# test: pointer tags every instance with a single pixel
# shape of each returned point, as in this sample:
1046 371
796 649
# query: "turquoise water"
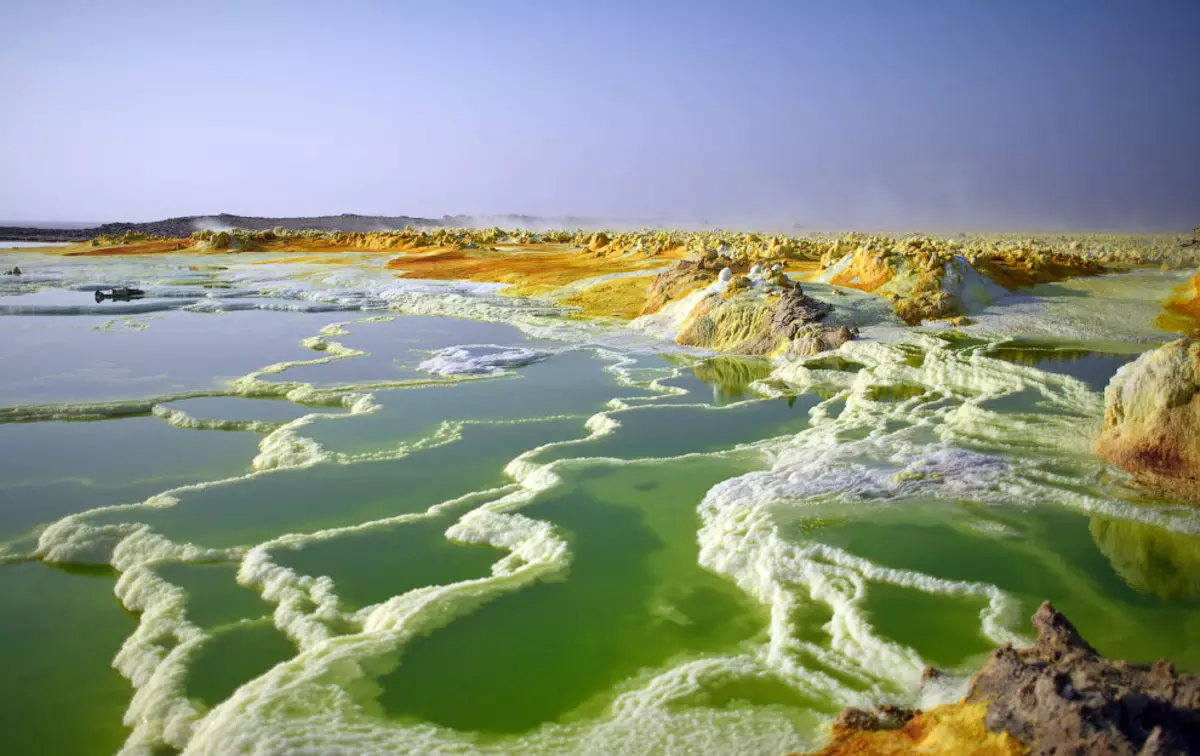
335 530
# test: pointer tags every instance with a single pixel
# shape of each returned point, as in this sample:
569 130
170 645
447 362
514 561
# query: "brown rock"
1061 697
1057 697
931 673
883 718
793 311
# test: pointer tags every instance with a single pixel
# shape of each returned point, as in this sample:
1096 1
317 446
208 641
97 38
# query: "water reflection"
730 377
1094 368
1151 559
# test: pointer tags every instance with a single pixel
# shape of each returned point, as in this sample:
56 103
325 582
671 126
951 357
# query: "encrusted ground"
923 278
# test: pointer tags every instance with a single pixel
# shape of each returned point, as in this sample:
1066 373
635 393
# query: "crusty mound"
1152 418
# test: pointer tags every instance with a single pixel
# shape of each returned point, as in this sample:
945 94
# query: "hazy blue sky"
896 113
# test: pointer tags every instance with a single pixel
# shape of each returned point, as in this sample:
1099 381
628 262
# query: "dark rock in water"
883 718
13 271
120 294
1060 696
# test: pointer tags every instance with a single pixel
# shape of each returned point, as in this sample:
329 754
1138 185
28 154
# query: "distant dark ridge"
347 222
184 226
26 234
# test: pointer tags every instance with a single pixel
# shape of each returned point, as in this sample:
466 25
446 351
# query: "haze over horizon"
923 114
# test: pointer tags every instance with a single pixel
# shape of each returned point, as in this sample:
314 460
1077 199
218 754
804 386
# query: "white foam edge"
532 545
180 419
160 712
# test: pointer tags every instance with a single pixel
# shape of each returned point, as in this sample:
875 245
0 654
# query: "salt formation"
1152 418
928 279
747 316
480 359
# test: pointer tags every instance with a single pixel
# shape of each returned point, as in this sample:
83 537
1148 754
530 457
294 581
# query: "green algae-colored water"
423 533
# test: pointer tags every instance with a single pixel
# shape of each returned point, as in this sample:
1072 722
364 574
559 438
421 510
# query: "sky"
894 114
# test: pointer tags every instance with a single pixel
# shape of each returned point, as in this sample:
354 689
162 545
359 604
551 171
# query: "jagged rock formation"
794 311
1057 697
796 321
1152 418
1060 696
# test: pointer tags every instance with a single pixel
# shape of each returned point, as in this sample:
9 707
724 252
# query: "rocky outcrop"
794 311
1060 696
1152 419
1057 697
742 320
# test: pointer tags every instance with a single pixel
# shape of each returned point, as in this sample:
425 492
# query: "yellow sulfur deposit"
619 298
741 325
949 730
1181 311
